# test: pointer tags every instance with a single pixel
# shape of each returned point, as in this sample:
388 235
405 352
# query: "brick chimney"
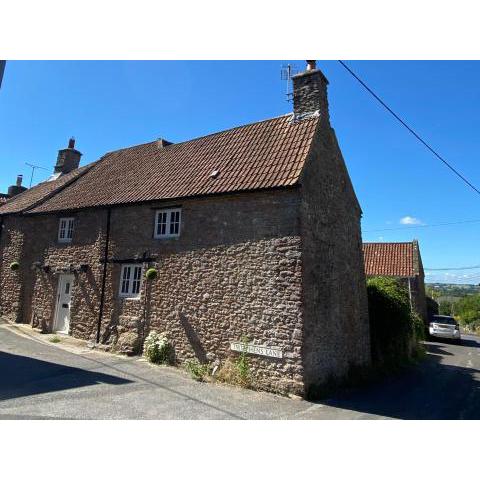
310 92
16 189
68 159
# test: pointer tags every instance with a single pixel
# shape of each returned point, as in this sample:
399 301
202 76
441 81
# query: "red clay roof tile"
265 154
31 197
390 259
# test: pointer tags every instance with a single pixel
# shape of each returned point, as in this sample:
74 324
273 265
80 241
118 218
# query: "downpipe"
104 276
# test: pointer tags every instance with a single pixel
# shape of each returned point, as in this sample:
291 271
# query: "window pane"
174 222
62 229
70 229
137 275
162 223
125 280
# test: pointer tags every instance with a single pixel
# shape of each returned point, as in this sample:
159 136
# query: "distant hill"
451 290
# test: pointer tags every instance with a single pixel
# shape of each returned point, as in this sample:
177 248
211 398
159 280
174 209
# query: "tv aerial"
34 167
286 74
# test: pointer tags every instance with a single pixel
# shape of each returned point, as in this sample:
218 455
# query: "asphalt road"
45 381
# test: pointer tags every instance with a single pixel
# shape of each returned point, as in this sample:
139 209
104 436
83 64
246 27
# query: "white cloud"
411 221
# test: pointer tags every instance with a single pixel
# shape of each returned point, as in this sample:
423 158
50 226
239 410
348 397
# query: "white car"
444 326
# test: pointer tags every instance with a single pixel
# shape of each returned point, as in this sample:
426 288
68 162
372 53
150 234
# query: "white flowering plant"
157 348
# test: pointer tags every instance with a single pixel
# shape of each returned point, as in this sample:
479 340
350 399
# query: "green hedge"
392 326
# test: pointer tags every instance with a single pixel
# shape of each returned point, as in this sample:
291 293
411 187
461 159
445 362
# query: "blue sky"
109 105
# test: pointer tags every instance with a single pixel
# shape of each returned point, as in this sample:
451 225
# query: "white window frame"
131 280
65 233
170 215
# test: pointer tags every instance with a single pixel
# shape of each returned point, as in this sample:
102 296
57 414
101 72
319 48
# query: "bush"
157 348
391 322
237 372
14 266
151 274
418 327
472 327
229 373
243 368
198 371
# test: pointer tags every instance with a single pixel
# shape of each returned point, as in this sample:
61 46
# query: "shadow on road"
466 342
433 349
22 376
434 389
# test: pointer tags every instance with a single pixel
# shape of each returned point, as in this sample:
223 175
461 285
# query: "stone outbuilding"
254 233
401 260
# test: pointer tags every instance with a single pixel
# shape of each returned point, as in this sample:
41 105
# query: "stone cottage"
254 233
403 261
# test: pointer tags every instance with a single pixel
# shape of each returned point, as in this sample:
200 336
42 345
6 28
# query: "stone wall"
421 297
235 271
11 250
85 249
29 294
336 324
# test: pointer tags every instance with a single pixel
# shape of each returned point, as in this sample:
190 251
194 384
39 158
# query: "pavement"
68 380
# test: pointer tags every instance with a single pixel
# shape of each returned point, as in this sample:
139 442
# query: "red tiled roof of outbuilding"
391 259
260 155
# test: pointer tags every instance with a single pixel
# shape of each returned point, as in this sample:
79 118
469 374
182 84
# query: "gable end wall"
336 325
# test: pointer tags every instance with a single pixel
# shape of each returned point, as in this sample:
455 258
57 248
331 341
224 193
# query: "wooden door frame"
58 297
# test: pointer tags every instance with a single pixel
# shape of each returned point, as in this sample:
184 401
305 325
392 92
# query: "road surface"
45 381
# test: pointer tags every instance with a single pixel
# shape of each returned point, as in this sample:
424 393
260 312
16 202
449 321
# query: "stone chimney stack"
68 159
16 189
310 92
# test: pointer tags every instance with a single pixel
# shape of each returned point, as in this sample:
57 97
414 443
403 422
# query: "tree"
445 307
467 309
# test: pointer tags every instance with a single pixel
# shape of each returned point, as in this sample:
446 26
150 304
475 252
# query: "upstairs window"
130 280
65 230
167 223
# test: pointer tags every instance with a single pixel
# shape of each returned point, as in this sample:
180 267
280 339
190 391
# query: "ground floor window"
130 280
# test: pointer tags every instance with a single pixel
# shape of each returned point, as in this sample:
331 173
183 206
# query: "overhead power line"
473 267
416 135
423 226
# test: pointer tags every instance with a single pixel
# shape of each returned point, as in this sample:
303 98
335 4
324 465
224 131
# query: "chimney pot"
19 180
311 65
71 143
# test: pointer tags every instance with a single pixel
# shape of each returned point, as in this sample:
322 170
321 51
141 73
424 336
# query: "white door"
64 297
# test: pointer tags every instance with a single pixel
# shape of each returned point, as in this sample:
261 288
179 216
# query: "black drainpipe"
104 278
